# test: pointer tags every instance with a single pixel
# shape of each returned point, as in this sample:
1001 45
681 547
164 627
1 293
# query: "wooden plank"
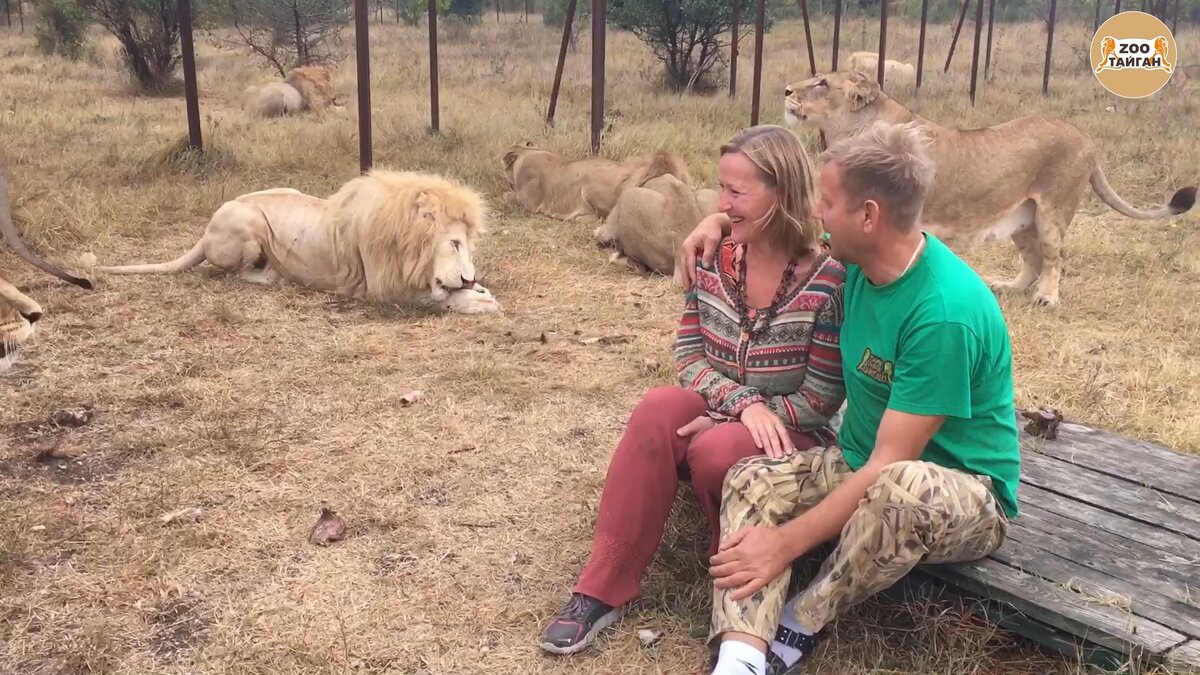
1112 494
1115 555
928 587
1056 606
1089 516
1187 655
1038 554
1140 462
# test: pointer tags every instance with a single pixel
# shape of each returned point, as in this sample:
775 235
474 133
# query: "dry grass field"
469 513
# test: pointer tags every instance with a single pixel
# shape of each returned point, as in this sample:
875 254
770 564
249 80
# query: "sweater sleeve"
723 395
823 389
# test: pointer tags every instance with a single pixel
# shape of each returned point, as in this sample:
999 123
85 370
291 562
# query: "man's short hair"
888 163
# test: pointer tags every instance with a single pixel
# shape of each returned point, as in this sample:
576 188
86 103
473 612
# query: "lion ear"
509 158
529 144
425 206
861 91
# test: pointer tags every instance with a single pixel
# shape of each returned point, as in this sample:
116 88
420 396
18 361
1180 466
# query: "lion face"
827 97
18 320
453 260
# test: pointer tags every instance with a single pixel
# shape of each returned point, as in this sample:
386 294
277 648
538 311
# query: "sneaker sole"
587 639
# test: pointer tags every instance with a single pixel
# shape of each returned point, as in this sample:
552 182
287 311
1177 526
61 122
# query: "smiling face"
748 200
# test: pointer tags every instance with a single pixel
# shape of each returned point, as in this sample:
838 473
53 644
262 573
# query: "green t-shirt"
933 342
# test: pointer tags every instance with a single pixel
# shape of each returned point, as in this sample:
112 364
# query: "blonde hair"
782 163
888 163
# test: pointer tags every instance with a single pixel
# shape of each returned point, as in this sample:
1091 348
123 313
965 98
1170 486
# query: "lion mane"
305 88
386 236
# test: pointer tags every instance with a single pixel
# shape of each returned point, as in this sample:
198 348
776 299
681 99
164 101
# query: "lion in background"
19 313
387 236
305 88
554 185
896 72
1023 178
649 222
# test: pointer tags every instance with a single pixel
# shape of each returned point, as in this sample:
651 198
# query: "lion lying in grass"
649 223
305 88
394 237
1021 179
568 189
894 72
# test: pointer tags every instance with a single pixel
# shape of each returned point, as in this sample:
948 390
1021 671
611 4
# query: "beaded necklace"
748 317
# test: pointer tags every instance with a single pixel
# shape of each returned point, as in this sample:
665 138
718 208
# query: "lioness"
387 236
552 184
648 223
1021 179
19 313
305 88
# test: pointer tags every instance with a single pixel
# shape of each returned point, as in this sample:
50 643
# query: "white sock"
789 654
739 658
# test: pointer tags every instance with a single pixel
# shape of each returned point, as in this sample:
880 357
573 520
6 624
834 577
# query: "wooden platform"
1104 559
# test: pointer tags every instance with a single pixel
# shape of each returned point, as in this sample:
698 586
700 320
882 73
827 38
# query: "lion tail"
661 164
186 261
1181 202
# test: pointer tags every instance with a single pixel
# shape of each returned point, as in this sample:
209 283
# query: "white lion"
387 236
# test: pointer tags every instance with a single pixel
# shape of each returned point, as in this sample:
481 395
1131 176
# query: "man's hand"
768 431
749 559
703 241
696 427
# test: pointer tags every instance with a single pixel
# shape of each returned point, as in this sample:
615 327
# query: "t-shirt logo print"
876 368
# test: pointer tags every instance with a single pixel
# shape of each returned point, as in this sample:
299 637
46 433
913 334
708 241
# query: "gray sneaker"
576 624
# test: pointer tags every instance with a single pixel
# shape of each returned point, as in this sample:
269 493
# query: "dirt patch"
179 626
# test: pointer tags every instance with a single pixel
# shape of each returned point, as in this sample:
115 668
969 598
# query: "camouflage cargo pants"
914 512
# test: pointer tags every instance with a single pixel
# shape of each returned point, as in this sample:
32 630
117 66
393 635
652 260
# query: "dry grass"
470 513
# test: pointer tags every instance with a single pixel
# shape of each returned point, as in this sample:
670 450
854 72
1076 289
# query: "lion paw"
1045 300
474 300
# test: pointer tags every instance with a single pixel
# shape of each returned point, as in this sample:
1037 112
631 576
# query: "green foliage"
687 36
60 27
411 11
467 10
148 31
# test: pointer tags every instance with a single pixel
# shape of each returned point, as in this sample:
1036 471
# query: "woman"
759 371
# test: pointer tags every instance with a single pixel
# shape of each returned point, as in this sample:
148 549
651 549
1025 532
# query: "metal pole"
190 95
562 59
975 47
987 58
8 14
957 29
434 116
759 20
21 13
812 60
921 41
883 17
1175 18
599 11
837 30
1049 46
1096 21
362 58
1117 7
733 49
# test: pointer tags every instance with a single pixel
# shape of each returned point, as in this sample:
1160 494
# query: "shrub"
60 27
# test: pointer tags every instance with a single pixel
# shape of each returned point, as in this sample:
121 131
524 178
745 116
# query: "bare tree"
287 33
148 31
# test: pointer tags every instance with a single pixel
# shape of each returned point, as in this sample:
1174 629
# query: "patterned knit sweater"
794 366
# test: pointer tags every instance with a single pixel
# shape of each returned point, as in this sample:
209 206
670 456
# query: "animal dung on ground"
72 418
329 528
410 397
1042 423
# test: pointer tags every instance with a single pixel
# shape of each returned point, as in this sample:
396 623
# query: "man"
928 461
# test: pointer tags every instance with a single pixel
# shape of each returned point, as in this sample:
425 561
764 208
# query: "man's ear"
870 215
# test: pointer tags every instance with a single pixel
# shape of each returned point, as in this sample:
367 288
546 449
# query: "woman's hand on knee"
696 427
768 431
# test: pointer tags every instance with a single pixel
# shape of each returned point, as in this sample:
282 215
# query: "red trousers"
643 476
